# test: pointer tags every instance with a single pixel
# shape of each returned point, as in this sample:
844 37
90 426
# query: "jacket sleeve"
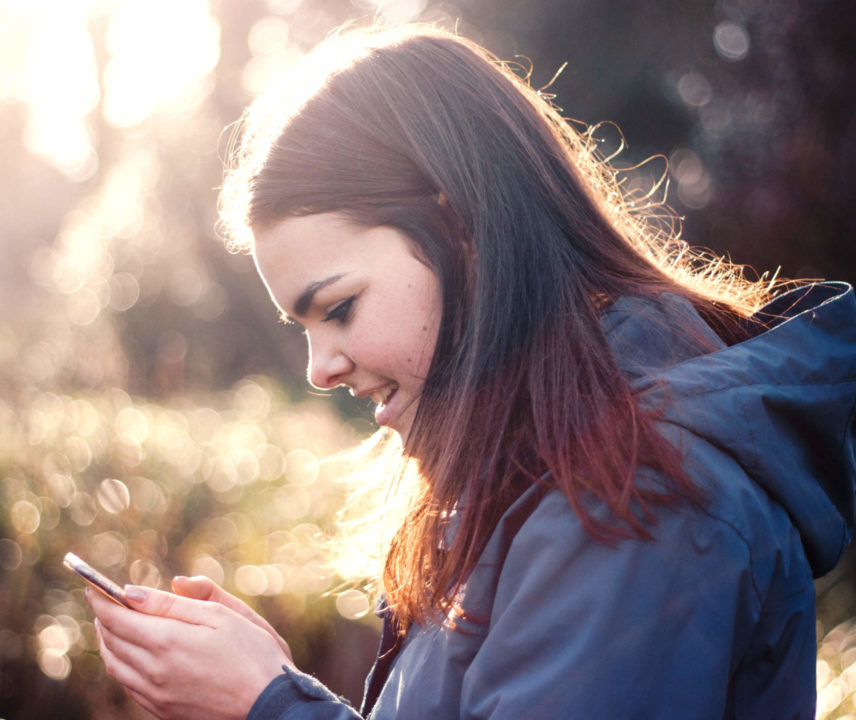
294 695
639 629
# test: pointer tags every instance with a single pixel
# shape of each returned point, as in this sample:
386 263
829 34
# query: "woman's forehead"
300 256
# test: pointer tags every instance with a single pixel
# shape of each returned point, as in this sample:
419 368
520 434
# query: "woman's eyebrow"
304 300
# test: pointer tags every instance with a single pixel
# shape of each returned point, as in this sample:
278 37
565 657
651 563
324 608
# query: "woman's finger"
152 635
107 612
134 656
199 587
116 663
203 588
143 701
169 605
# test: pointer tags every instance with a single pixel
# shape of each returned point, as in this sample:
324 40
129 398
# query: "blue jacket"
715 617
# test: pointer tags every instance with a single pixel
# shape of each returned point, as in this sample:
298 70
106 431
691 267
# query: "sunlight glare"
162 52
56 77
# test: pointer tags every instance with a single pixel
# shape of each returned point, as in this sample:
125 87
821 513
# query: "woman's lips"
383 410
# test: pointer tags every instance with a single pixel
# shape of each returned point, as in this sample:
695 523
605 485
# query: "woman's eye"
341 311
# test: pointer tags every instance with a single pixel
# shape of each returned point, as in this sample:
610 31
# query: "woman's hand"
187 658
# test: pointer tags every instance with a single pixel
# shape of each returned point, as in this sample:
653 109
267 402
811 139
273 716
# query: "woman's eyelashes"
340 312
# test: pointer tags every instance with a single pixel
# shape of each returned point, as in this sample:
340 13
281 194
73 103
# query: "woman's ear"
468 242
472 250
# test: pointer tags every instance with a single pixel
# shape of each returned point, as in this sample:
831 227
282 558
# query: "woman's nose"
328 366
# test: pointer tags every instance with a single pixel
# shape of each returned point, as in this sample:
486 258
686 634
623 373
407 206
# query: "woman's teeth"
381 397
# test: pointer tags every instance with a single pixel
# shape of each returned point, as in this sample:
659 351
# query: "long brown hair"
531 238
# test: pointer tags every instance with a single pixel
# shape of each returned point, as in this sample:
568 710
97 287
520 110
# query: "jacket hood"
781 403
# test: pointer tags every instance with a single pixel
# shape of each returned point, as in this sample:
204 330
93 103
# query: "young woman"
626 469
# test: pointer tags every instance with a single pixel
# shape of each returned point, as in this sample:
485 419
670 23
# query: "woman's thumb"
198 587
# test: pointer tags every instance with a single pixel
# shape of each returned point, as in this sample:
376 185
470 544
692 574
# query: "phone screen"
95 578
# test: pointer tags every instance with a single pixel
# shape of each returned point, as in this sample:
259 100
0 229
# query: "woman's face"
370 308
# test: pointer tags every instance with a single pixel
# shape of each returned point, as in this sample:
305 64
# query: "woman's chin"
397 414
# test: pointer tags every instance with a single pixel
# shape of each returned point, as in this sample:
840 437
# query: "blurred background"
154 417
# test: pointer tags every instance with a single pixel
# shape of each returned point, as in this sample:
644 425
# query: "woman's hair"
531 238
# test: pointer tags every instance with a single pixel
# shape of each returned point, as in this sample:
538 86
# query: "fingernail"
134 593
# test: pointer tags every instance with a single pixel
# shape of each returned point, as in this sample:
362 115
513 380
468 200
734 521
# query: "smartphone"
96 579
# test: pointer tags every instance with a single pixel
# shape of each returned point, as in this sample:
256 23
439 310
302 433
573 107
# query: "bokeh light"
836 673
10 555
731 40
113 495
53 663
352 604
695 89
25 517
